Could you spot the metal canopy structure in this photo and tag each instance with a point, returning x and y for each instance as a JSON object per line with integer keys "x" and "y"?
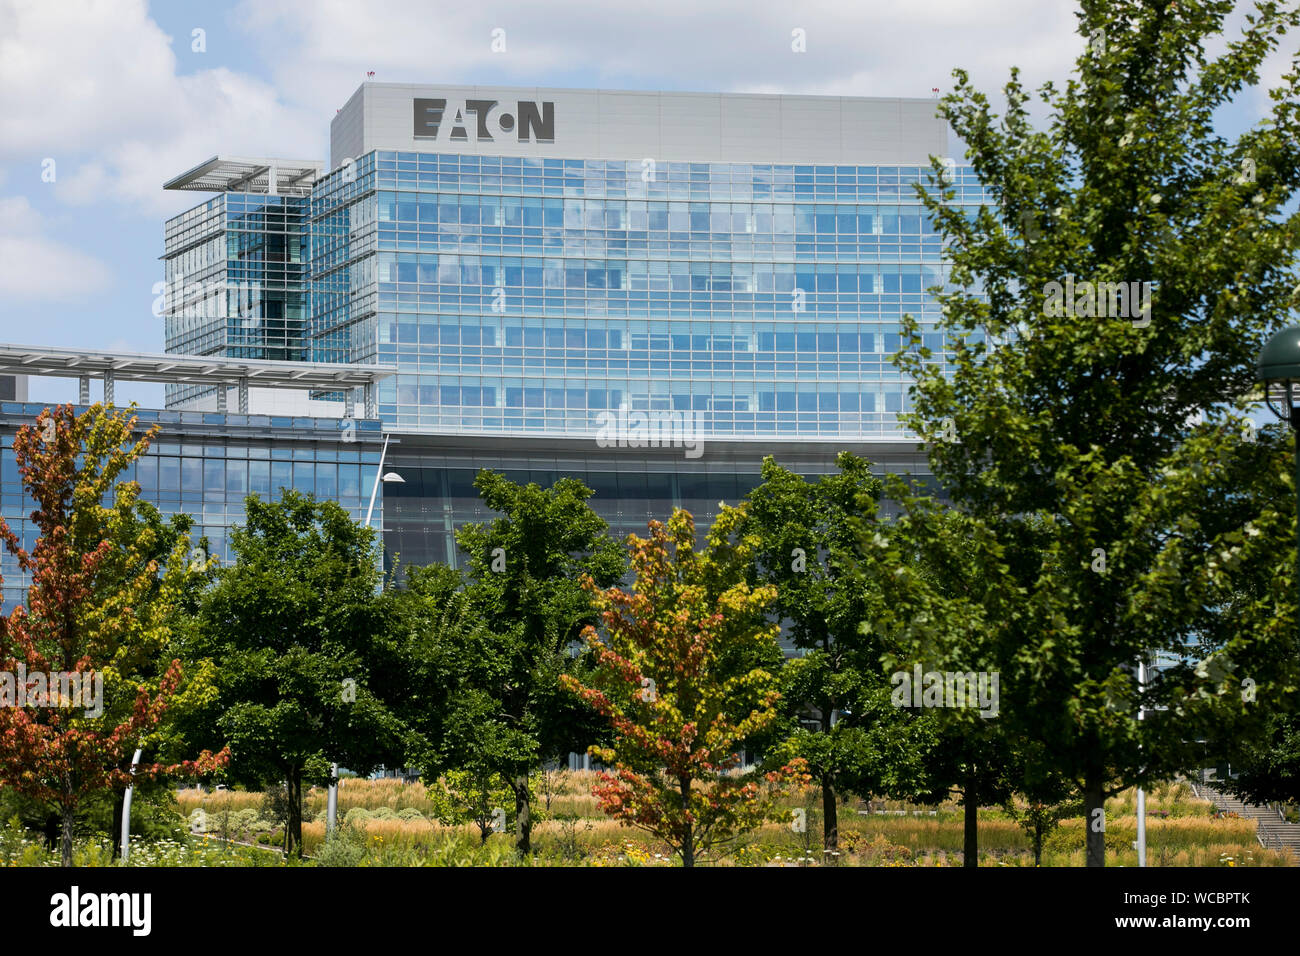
{"x": 192, "y": 370}
{"x": 186, "y": 369}
{"x": 234, "y": 174}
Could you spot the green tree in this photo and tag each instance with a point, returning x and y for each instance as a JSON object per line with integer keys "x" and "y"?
{"x": 305, "y": 648}
{"x": 934, "y": 569}
{"x": 470, "y": 796}
{"x": 1267, "y": 768}
{"x": 678, "y": 709}
{"x": 836, "y": 692}
{"x": 98, "y": 620}
{"x": 1040, "y": 806}
{"x": 497, "y": 644}
{"x": 1087, "y": 423}
{"x": 1226, "y": 569}
{"x": 160, "y": 539}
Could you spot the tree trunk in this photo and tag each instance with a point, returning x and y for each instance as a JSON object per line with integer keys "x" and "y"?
{"x": 118, "y": 796}
{"x": 523, "y": 815}
{"x": 970, "y": 831}
{"x": 688, "y": 834}
{"x": 65, "y": 843}
{"x": 293, "y": 835}
{"x": 1094, "y": 821}
{"x": 50, "y": 830}
{"x": 1038, "y": 844}
{"x": 830, "y": 817}
{"x": 830, "y": 821}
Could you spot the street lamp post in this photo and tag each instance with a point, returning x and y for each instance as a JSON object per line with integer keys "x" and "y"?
{"x": 1278, "y": 369}
{"x": 1141, "y": 794}
{"x": 126, "y": 807}
{"x": 332, "y": 800}
{"x": 381, "y": 477}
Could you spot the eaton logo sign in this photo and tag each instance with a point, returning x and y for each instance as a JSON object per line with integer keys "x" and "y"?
{"x": 483, "y": 121}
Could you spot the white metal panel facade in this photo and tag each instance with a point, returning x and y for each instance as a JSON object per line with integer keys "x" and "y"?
{"x": 623, "y": 125}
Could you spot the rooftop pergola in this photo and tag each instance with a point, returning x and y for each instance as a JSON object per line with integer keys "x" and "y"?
{"x": 190, "y": 370}
{"x": 236, "y": 174}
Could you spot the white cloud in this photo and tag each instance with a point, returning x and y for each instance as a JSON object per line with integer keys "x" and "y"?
{"x": 319, "y": 52}
{"x": 98, "y": 87}
{"x": 17, "y": 215}
{"x": 36, "y": 268}
{"x": 852, "y": 47}
{"x": 95, "y": 86}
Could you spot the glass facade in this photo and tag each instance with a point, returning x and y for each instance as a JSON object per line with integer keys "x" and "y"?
{"x": 520, "y": 295}
{"x": 632, "y": 486}
{"x": 205, "y": 464}
{"x": 236, "y": 281}
{"x": 529, "y": 302}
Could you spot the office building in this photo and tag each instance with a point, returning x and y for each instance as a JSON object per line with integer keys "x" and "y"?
{"x": 648, "y": 291}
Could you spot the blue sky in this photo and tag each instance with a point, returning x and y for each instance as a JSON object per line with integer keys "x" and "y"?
{"x": 116, "y": 94}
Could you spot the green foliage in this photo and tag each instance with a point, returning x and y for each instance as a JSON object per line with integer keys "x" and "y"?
{"x": 357, "y": 817}
{"x": 1268, "y": 768}
{"x": 495, "y": 643}
{"x": 668, "y": 683}
{"x": 107, "y": 579}
{"x": 347, "y": 847}
{"x": 941, "y": 605}
{"x": 276, "y": 807}
{"x": 305, "y": 646}
{"x": 835, "y": 693}
{"x": 1040, "y": 820}
{"x": 236, "y": 824}
{"x": 463, "y": 796}
{"x": 1113, "y": 526}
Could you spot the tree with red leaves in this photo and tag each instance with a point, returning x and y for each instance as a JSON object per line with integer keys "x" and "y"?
{"x": 75, "y": 700}
{"x": 681, "y": 678}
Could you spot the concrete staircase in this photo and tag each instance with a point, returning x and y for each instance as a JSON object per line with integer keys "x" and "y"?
{"x": 1273, "y": 832}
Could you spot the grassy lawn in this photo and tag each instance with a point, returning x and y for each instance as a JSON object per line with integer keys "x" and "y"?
{"x": 388, "y": 823}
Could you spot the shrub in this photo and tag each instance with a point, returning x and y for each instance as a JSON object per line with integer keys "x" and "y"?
{"x": 882, "y": 852}
{"x": 346, "y": 848}
{"x": 356, "y": 817}
{"x": 246, "y": 819}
